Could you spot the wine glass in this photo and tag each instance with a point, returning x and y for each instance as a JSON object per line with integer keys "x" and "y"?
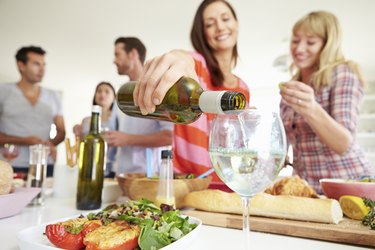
{"x": 9, "y": 152}
{"x": 247, "y": 149}
{"x": 110, "y": 153}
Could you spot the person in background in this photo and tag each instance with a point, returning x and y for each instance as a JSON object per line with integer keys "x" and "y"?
{"x": 320, "y": 105}
{"x": 214, "y": 37}
{"x": 28, "y": 110}
{"x": 104, "y": 96}
{"x": 136, "y": 135}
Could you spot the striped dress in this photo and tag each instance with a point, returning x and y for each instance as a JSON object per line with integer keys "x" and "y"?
{"x": 190, "y": 145}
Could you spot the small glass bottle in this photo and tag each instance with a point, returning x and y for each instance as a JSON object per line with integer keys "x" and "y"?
{"x": 165, "y": 194}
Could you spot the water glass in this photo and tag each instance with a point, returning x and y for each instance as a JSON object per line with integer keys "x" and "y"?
{"x": 38, "y": 158}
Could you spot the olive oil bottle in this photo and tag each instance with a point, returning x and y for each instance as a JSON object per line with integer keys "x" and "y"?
{"x": 184, "y": 102}
{"x": 91, "y": 165}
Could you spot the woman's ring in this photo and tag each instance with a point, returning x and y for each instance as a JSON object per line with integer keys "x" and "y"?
{"x": 299, "y": 101}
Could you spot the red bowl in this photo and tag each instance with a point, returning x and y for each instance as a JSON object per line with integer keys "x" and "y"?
{"x": 335, "y": 188}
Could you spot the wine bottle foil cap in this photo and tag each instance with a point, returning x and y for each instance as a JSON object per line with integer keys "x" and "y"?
{"x": 210, "y": 102}
{"x": 165, "y": 154}
{"x": 96, "y": 109}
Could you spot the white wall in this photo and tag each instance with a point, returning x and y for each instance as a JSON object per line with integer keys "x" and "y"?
{"x": 79, "y": 36}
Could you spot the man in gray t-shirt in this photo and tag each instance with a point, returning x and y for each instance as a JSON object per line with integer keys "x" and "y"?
{"x": 28, "y": 110}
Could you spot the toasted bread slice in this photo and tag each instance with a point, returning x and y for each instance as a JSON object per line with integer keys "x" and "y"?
{"x": 116, "y": 235}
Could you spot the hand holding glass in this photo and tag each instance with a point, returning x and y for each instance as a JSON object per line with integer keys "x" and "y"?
{"x": 247, "y": 149}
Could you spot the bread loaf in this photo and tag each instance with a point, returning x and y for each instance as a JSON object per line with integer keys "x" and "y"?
{"x": 6, "y": 177}
{"x": 292, "y": 185}
{"x": 282, "y": 206}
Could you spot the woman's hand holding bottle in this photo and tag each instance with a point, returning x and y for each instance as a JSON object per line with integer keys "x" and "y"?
{"x": 159, "y": 74}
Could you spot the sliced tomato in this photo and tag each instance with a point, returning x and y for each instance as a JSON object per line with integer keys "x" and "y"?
{"x": 59, "y": 237}
{"x": 128, "y": 245}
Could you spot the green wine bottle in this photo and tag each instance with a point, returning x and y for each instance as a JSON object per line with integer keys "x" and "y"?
{"x": 184, "y": 102}
{"x": 91, "y": 165}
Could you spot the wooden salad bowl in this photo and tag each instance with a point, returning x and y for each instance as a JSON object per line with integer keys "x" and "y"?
{"x": 137, "y": 186}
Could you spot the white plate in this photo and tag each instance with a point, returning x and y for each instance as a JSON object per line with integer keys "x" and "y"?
{"x": 32, "y": 238}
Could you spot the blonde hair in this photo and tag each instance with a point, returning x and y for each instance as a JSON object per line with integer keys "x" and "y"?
{"x": 326, "y": 26}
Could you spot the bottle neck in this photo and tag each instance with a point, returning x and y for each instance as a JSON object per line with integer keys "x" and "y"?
{"x": 95, "y": 123}
{"x": 218, "y": 102}
{"x": 231, "y": 100}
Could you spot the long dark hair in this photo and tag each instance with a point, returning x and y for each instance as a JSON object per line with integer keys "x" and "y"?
{"x": 109, "y": 85}
{"x": 200, "y": 43}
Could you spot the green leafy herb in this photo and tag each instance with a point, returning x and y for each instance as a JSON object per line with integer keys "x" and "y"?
{"x": 369, "y": 219}
{"x": 74, "y": 229}
{"x": 150, "y": 238}
{"x": 144, "y": 204}
{"x": 168, "y": 229}
{"x": 130, "y": 219}
{"x": 159, "y": 226}
{"x": 90, "y": 216}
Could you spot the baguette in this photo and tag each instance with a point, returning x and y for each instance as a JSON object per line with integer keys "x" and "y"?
{"x": 282, "y": 206}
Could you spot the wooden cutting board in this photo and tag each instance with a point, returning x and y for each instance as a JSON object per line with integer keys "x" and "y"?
{"x": 347, "y": 231}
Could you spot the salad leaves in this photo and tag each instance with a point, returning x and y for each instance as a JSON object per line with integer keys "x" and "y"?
{"x": 159, "y": 226}
{"x": 170, "y": 227}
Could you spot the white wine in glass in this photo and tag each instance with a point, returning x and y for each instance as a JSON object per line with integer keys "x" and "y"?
{"x": 247, "y": 149}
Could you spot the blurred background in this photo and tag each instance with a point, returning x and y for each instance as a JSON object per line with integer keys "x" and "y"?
{"x": 79, "y": 35}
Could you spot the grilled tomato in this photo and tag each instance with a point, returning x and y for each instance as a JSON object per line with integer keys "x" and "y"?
{"x": 69, "y": 234}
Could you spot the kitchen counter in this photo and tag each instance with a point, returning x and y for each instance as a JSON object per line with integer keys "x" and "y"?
{"x": 209, "y": 238}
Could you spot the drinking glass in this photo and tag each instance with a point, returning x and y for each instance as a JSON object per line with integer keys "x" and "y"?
{"x": 10, "y": 152}
{"x": 247, "y": 149}
{"x": 36, "y": 177}
{"x": 110, "y": 153}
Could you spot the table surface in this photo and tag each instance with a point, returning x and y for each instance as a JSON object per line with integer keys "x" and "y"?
{"x": 209, "y": 237}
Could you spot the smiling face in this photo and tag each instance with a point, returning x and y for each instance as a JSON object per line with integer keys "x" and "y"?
{"x": 220, "y": 26}
{"x": 306, "y": 49}
{"x": 33, "y": 70}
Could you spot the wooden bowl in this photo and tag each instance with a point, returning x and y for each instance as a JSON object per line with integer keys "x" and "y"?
{"x": 137, "y": 186}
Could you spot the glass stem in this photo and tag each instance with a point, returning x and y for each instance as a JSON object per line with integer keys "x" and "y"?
{"x": 246, "y": 221}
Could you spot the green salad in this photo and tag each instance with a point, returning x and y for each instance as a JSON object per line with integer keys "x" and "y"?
{"x": 159, "y": 226}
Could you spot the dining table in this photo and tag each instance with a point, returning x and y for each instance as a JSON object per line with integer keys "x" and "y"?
{"x": 209, "y": 237}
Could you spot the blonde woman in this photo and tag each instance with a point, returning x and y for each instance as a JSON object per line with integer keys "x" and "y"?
{"x": 320, "y": 105}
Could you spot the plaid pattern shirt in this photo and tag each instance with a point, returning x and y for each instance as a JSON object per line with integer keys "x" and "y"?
{"x": 312, "y": 159}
